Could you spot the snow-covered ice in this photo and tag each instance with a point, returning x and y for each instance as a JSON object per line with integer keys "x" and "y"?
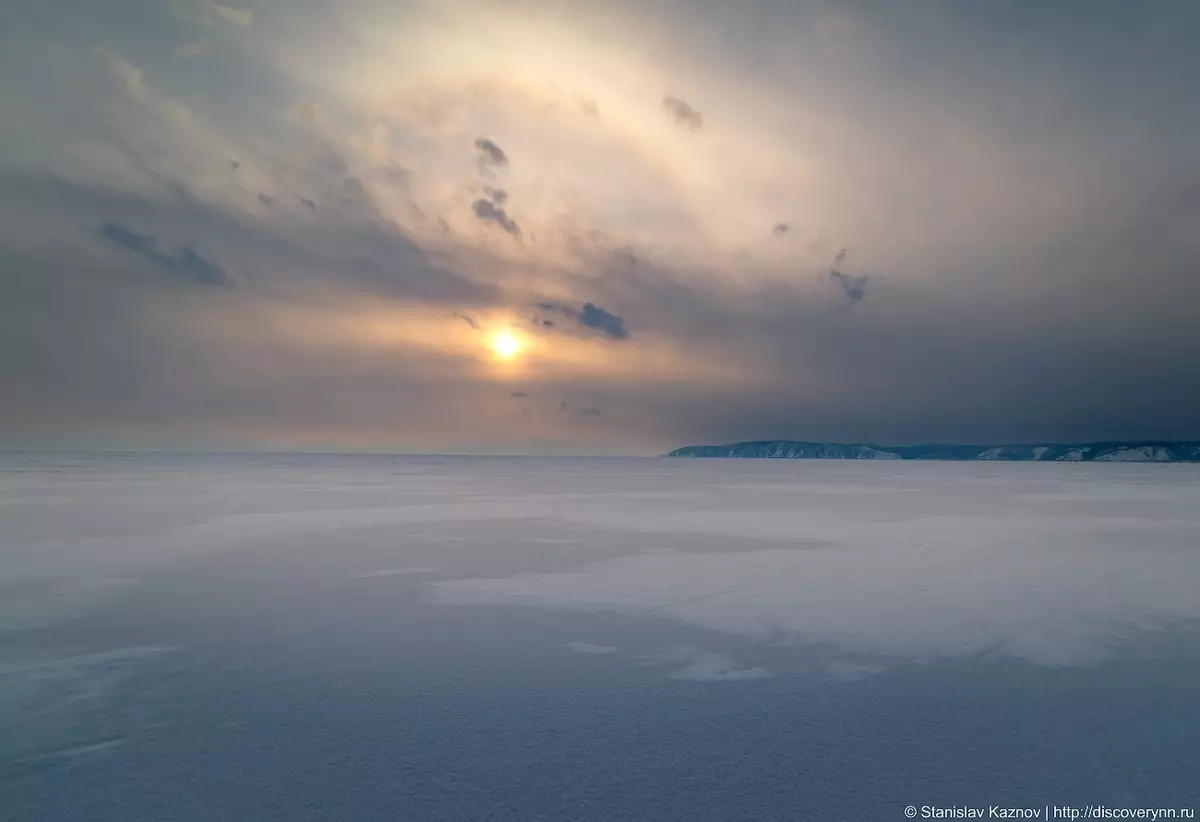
{"x": 356, "y": 637}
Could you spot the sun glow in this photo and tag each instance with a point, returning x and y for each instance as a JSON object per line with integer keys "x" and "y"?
{"x": 506, "y": 345}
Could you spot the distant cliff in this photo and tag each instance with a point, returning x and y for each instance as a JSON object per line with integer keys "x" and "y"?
{"x": 1129, "y": 451}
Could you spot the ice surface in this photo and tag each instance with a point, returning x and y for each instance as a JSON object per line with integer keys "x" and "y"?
{"x": 591, "y": 648}
{"x": 212, "y": 637}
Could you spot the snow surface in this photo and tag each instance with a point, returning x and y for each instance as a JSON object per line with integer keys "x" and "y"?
{"x": 1144, "y": 453}
{"x": 369, "y": 637}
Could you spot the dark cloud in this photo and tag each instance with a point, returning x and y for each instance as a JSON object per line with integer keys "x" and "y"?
{"x": 780, "y": 229}
{"x": 489, "y": 212}
{"x": 311, "y": 205}
{"x": 200, "y": 269}
{"x": 595, "y": 317}
{"x": 683, "y": 113}
{"x": 590, "y": 316}
{"x": 468, "y": 319}
{"x": 142, "y": 244}
{"x": 265, "y": 199}
{"x": 588, "y": 412}
{"x": 562, "y": 406}
{"x": 1074, "y": 323}
{"x": 518, "y": 395}
{"x": 355, "y": 253}
{"x": 854, "y": 288}
{"x": 1095, "y": 354}
{"x": 497, "y": 195}
{"x": 186, "y": 260}
{"x": 490, "y": 152}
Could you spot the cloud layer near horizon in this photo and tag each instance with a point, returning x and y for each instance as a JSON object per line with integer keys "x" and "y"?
{"x": 265, "y": 223}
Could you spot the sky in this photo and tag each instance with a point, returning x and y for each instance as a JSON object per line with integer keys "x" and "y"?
{"x": 563, "y": 226}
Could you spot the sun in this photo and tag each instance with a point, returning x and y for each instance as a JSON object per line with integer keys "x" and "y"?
{"x": 506, "y": 345}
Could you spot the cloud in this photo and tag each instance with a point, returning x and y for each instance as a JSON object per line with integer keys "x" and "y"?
{"x": 186, "y": 260}
{"x": 130, "y": 75}
{"x": 265, "y": 199}
{"x": 490, "y": 152}
{"x": 589, "y": 412}
{"x": 497, "y": 195}
{"x": 780, "y": 229}
{"x": 562, "y": 406}
{"x": 489, "y": 212}
{"x": 590, "y": 316}
{"x": 143, "y": 244}
{"x": 854, "y": 288}
{"x": 683, "y": 113}
{"x": 199, "y": 269}
{"x": 397, "y": 175}
{"x": 311, "y": 205}
{"x": 243, "y": 18}
{"x": 307, "y": 111}
{"x": 195, "y": 49}
{"x": 467, "y": 318}
{"x": 975, "y": 221}
{"x": 518, "y": 395}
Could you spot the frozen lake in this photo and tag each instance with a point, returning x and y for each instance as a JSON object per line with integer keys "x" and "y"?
{"x": 287, "y": 637}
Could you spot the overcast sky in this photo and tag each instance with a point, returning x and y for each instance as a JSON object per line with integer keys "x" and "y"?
{"x": 305, "y": 223}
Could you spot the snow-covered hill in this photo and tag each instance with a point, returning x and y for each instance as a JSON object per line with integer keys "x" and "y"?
{"x": 1131, "y": 451}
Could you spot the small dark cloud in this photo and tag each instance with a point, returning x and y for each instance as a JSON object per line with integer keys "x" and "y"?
{"x": 854, "y": 288}
{"x": 547, "y": 323}
{"x": 310, "y": 204}
{"x": 562, "y": 406}
{"x": 683, "y": 113}
{"x": 142, "y": 244}
{"x": 518, "y": 395}
{"x": 468, "y": 319}
{"x": 588, "y": 412}
{"x": 588, "y": 107}
{"x": 265, "y": 199}
{"x": 590, "y": 316}
{"x": 595, "y": 317}
{"x": 497, "y": 195}
{"x": 200, "y": 269}
{"x": 780, "y": 229}
{"x": 235, "y": 165}
{"x": 187, "y": 260}
{"x": 492, "y": 154}
{"x": 489, "y": 212}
